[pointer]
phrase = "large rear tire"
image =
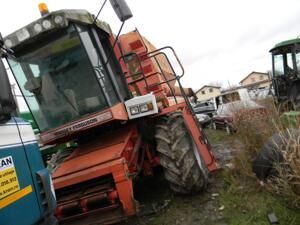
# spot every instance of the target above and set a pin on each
(272, 153)
(183, 167)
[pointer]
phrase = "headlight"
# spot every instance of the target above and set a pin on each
(134, 110)
(144, 108)
(22, 34)
(58, 20)
(46, 24)
(8, 43)
(37, 27)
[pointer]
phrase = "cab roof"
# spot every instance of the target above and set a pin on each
(69, 15)
(286, 43)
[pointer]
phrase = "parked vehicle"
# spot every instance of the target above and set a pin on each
(230, 105)
(203, 119)
(204, 107)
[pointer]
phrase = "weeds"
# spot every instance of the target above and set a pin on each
(287, 183)
(254, 128)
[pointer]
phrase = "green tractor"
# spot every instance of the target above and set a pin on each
(286, 74)
(286, 84)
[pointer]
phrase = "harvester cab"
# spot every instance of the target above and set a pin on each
(286, 73)
(119, 99)
(52, 54)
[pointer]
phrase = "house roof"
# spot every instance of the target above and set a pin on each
(213, 86)
(253, 73)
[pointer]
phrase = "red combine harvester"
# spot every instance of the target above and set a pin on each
(119, 100)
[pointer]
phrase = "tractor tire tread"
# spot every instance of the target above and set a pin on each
(175, 148)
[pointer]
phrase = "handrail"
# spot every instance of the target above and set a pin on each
(154, 54)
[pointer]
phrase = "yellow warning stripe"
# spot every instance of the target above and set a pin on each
(15, 196)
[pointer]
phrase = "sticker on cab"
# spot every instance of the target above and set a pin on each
(8, 177)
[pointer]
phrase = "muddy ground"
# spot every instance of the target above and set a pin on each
(160, 206)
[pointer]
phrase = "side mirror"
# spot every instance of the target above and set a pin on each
(121, 9)
(7, 102)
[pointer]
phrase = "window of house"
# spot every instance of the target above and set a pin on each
(203, 92)
(211, 90)
(253, 79)
(261, 77)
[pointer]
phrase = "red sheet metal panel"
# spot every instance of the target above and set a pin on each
(107, 148)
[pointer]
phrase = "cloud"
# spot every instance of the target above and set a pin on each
(215, 40)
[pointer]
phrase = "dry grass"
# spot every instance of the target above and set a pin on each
(253, 130)
(287, 183)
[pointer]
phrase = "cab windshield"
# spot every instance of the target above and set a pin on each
(286, 61)
(58, 81)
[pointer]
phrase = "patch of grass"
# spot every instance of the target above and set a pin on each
(219, 136)
(287, 183)
(246, 202)
(254, 130)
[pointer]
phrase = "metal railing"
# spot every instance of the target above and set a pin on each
(143, 77)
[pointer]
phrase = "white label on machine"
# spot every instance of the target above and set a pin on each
(141, 106)
(9, 182)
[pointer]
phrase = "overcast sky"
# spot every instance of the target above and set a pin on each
(217, 40)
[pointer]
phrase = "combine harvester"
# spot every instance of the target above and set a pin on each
(115, 98)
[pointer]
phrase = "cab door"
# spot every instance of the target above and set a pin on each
(19, 202)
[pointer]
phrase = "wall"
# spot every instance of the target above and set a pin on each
(256, 78)
(208, 95)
